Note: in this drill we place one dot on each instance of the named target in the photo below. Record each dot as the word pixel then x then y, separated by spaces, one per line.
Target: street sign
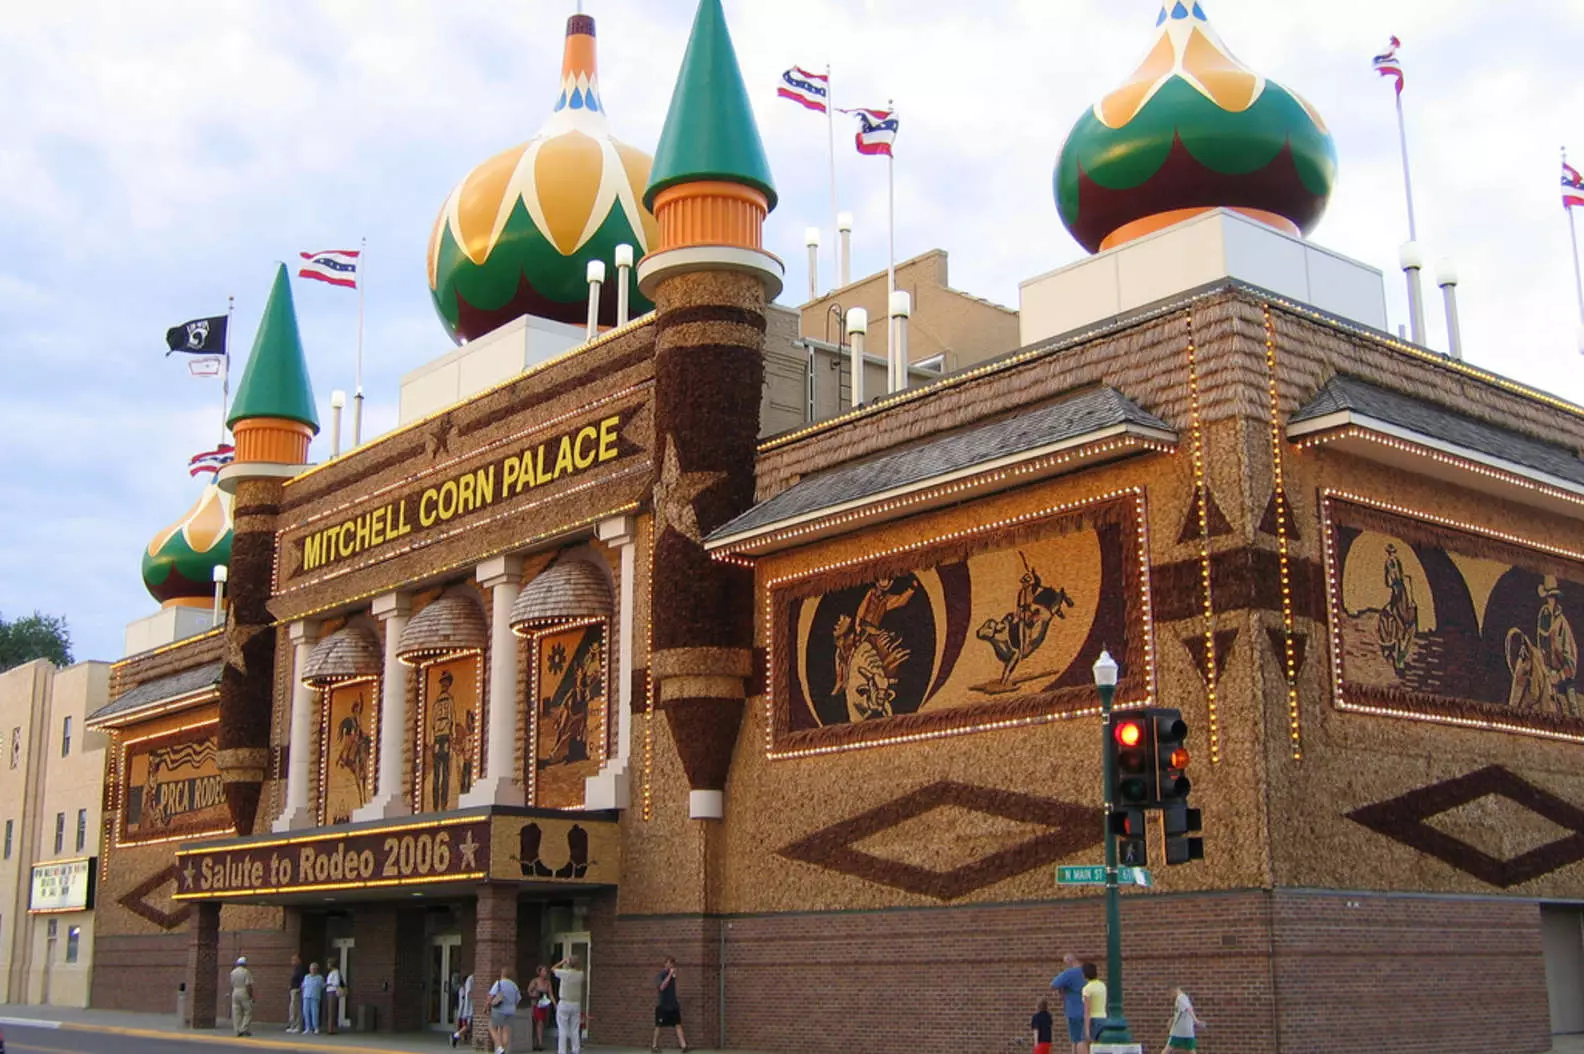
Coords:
pixel 1096 876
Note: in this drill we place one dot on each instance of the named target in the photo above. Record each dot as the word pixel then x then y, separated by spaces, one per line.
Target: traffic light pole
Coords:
pixel 1116 1027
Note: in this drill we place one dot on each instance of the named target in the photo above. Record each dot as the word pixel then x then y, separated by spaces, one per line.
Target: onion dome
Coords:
pixel 1191 130
pixel 516 234
pixel 178 565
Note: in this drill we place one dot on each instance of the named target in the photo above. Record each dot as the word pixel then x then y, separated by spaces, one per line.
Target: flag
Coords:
pixel 207 366
pixel 805 88
pixel 1387 64
pixel 877 130
pixel 201 336
pixel 211 460
pixel 336 266
pixel 1572 187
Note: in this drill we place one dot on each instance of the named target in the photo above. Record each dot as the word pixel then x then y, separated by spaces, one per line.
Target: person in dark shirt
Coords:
pixel 294 1010
pixel 1041 1024
pixel 668 1011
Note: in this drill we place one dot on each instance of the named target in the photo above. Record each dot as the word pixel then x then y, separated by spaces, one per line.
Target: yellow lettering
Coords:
pixel 607 432
pixel 405 527
pixel 426 514
pixel 563 458
pixel 377 525
pixel 363 533
pixel 448 499
pixel 484 485
pixel 511 472
pixel 313 546
pixel 539 474
pixel 343 546
pixel 585 460
pixel 465 495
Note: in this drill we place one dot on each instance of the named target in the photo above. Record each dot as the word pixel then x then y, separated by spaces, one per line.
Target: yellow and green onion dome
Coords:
pixel 178 565
pixel 1191 130
pixel 515 236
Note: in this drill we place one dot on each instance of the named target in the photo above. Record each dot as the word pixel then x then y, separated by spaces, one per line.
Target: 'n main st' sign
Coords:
pixel 471 848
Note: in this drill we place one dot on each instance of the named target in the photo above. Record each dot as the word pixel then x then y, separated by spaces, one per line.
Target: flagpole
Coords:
pixel 357 397
pixel 225 368
pixel 1578 277
pixel 891 329
pixel 1402 139
pixel 830 127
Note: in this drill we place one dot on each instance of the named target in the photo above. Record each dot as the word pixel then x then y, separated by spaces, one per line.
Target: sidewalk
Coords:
pixel 269 1037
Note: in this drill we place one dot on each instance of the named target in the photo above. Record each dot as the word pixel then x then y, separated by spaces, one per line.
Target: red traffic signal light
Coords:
pixel 1135 771
pixel 1129 733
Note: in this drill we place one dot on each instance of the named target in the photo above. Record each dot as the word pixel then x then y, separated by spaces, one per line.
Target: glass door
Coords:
pixel 443 980
pixel 563 945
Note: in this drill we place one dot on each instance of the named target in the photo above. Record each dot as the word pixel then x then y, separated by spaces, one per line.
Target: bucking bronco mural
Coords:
pixel 1006 624
pixel 1430 620
pixel 348 747
pixel 569 717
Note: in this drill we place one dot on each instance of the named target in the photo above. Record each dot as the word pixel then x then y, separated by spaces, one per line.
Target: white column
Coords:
pixel 300 751
pixel 391 798
pixel 611 787
pixel 502 576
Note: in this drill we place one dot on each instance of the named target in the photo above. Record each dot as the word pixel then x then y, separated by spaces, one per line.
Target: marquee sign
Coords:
pixel 64 885
pixel 523 470
pixel 457 849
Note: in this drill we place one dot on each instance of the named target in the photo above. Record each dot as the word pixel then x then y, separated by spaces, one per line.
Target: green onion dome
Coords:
pixel 515 236
pixel 178 565
pixel 1191 130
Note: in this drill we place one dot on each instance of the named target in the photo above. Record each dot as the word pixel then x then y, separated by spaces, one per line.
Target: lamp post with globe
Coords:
pixel 1115 1031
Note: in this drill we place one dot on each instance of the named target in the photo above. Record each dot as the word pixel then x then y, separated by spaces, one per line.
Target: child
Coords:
pixel 1041 1024
pixel 1094 996
pixel 1183 1023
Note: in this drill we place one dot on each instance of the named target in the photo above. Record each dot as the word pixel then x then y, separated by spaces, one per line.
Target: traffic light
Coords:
pixel 1128 826
pixel 1182 826
pixel 1170 757
pixel 1130 745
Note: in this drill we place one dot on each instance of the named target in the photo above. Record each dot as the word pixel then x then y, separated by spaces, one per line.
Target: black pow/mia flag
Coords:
pixel 201 336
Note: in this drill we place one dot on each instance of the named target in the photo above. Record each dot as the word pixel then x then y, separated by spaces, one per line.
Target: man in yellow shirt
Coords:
pixel 1094 1000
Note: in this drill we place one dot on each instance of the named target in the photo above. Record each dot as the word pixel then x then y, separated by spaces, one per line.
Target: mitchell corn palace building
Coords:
pixel 578 661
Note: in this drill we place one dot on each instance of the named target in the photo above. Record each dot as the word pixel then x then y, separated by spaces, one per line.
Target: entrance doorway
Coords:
pixel 341 959
pixel 443 980
pixel 1562 932
pixel 575 943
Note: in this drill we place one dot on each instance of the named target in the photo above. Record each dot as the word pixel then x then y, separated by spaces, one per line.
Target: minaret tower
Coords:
pixel 273 420
pixel 710 278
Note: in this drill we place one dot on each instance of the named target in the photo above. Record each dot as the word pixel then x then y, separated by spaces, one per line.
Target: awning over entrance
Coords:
pixel 541 848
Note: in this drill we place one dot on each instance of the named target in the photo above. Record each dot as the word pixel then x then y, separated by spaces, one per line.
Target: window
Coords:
pixel 16 746
pixel 54 928
pixel 8 839
pixel 73 935
pixel 66 736
pixel 60 831
pixel 82 829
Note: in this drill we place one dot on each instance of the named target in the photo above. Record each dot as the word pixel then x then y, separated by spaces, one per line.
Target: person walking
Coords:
pixel 541 993
pixel 313 991
pixel 504 997
pixel 464 1018
pixel 1040 1023
pixel 335 989
pixel 1070 983
pixel 668 1012
pixel 1094 997
pixel 569 1007
pixel 294 1010
pixel 242 998
pixel 1184 1023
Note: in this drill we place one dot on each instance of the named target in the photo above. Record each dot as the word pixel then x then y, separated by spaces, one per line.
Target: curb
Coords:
pixel 197 1036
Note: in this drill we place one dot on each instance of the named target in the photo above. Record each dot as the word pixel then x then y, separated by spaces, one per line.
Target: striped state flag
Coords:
pixel 877 130
pixel 1572 187
pixel 335 266
pixel 806 89
pixel 1387 64
pixel 211 460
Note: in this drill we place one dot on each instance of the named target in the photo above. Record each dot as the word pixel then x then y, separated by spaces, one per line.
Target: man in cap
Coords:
pixel 242 998
pixel 441 716
pixel 1557 646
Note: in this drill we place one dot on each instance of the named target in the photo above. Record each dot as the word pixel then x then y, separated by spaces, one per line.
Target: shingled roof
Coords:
pixel 1090 413
pixel 160 690
pixel 1349 395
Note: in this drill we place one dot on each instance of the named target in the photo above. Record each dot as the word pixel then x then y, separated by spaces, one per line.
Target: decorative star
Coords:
pixel 237 637
pixel 470 850
pixel 187 875
pixel 676 490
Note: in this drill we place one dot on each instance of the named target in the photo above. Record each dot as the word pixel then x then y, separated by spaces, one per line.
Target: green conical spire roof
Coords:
pixel 275 383
pixel 710 131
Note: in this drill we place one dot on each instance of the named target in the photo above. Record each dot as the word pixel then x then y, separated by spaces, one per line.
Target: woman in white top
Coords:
pixel 569 1006
pixel 464 1018
pixel 1183 1024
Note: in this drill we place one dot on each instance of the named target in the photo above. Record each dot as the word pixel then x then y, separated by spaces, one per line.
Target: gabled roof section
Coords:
pixel 710 132
pixel 161 691
pixel 275 383
pixel 1099 424
pixel 1349 401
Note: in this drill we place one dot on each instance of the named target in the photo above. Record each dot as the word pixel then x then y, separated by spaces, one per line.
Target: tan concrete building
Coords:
pixel 52 784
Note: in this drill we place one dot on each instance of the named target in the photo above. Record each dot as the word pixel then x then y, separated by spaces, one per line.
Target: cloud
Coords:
pixel 159 158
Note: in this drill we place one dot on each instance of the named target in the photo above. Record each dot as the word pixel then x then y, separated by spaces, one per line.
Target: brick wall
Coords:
pixel 388 965
pixel 138 973
pixel 1274 973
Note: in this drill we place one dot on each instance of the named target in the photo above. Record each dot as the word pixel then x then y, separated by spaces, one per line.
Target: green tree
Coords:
pixel 32 637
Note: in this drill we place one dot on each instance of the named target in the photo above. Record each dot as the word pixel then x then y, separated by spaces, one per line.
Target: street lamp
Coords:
pixel 1115 1032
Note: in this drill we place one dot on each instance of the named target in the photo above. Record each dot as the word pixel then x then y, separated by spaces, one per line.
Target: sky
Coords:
pixel 159 157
